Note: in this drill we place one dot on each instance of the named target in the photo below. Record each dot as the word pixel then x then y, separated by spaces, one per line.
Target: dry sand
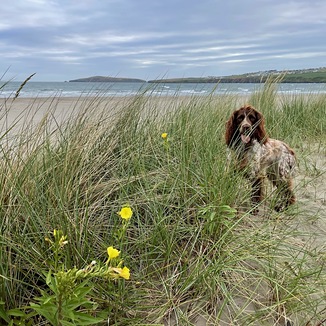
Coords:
pixel 21 109
pixel 17 112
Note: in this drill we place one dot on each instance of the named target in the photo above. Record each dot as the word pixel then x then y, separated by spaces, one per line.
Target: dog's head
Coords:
pixel 244 125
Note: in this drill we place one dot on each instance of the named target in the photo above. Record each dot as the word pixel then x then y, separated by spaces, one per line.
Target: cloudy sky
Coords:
pixel 150 39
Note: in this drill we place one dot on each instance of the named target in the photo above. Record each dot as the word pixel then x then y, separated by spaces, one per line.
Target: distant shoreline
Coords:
pixel 103 79
pixel 317 75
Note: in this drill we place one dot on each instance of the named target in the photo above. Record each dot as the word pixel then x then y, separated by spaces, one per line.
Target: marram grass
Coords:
pixel 192 247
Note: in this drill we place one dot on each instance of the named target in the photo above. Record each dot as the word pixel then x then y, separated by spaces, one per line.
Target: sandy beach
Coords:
pixel 18 111
pixel 60 107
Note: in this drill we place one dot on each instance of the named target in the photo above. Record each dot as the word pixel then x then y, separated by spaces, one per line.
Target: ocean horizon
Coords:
pixel 120 89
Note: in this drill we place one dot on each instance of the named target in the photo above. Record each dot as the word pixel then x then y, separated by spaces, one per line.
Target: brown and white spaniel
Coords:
pixel 260 156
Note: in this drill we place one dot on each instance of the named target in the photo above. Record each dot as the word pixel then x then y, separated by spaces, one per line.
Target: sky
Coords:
pixel 151 39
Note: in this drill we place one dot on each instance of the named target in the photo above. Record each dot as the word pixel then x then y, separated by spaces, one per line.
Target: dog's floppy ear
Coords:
pixel 231 129
pixel 260 131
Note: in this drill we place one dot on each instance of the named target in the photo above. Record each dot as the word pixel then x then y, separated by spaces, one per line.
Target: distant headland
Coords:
pixel 103 79
pixel 311 75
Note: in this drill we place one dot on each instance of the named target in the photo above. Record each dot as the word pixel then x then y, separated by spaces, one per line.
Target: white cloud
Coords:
pixel 297 12
pixel 144 38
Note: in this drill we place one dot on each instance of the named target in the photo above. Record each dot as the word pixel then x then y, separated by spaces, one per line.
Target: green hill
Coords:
pixel 313 75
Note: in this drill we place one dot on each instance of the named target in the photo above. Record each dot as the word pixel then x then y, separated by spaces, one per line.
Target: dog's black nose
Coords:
pixel 246 128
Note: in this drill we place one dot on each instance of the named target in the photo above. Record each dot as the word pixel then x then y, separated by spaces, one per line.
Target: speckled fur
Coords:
pixel 261 157
pixel 274 159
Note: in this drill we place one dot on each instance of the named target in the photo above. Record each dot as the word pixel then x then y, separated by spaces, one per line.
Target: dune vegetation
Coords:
pixel 146 190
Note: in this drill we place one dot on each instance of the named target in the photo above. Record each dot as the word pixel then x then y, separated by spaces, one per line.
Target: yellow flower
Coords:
pixel 120 272
pixel 125 273
pixel 125 213
pixel 112 252
pixel 164 135
pixel 63 241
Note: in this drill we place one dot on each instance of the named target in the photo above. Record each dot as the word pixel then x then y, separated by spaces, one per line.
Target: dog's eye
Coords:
pixel 240 117
pixel 252 118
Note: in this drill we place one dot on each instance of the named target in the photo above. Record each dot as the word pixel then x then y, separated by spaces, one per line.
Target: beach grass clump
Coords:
pixel 296 117
pixel 149 184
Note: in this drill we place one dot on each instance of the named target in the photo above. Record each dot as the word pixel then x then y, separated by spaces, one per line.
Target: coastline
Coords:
pixel 87 90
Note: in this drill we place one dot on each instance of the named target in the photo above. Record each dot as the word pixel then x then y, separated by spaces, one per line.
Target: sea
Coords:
pixel 82 89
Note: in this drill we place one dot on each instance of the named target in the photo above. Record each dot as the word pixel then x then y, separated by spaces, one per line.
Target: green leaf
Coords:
pixel 48 278
pixel 16 312
pixel 73 304
pixel 82 290
pixel 212 216
pixel 67 323
pixel 49 312
pixel 85 319
pixel 4 315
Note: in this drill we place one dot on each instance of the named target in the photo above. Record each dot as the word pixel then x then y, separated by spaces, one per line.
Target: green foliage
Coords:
pixel 317 75
pixel 306 77
pixel 192 245
pixel 219 221
pixel 66 298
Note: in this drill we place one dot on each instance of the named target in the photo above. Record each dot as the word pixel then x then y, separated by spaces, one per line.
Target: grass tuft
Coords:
pixel 193 249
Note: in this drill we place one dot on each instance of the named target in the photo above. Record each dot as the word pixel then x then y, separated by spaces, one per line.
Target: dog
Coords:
pixel 260 157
